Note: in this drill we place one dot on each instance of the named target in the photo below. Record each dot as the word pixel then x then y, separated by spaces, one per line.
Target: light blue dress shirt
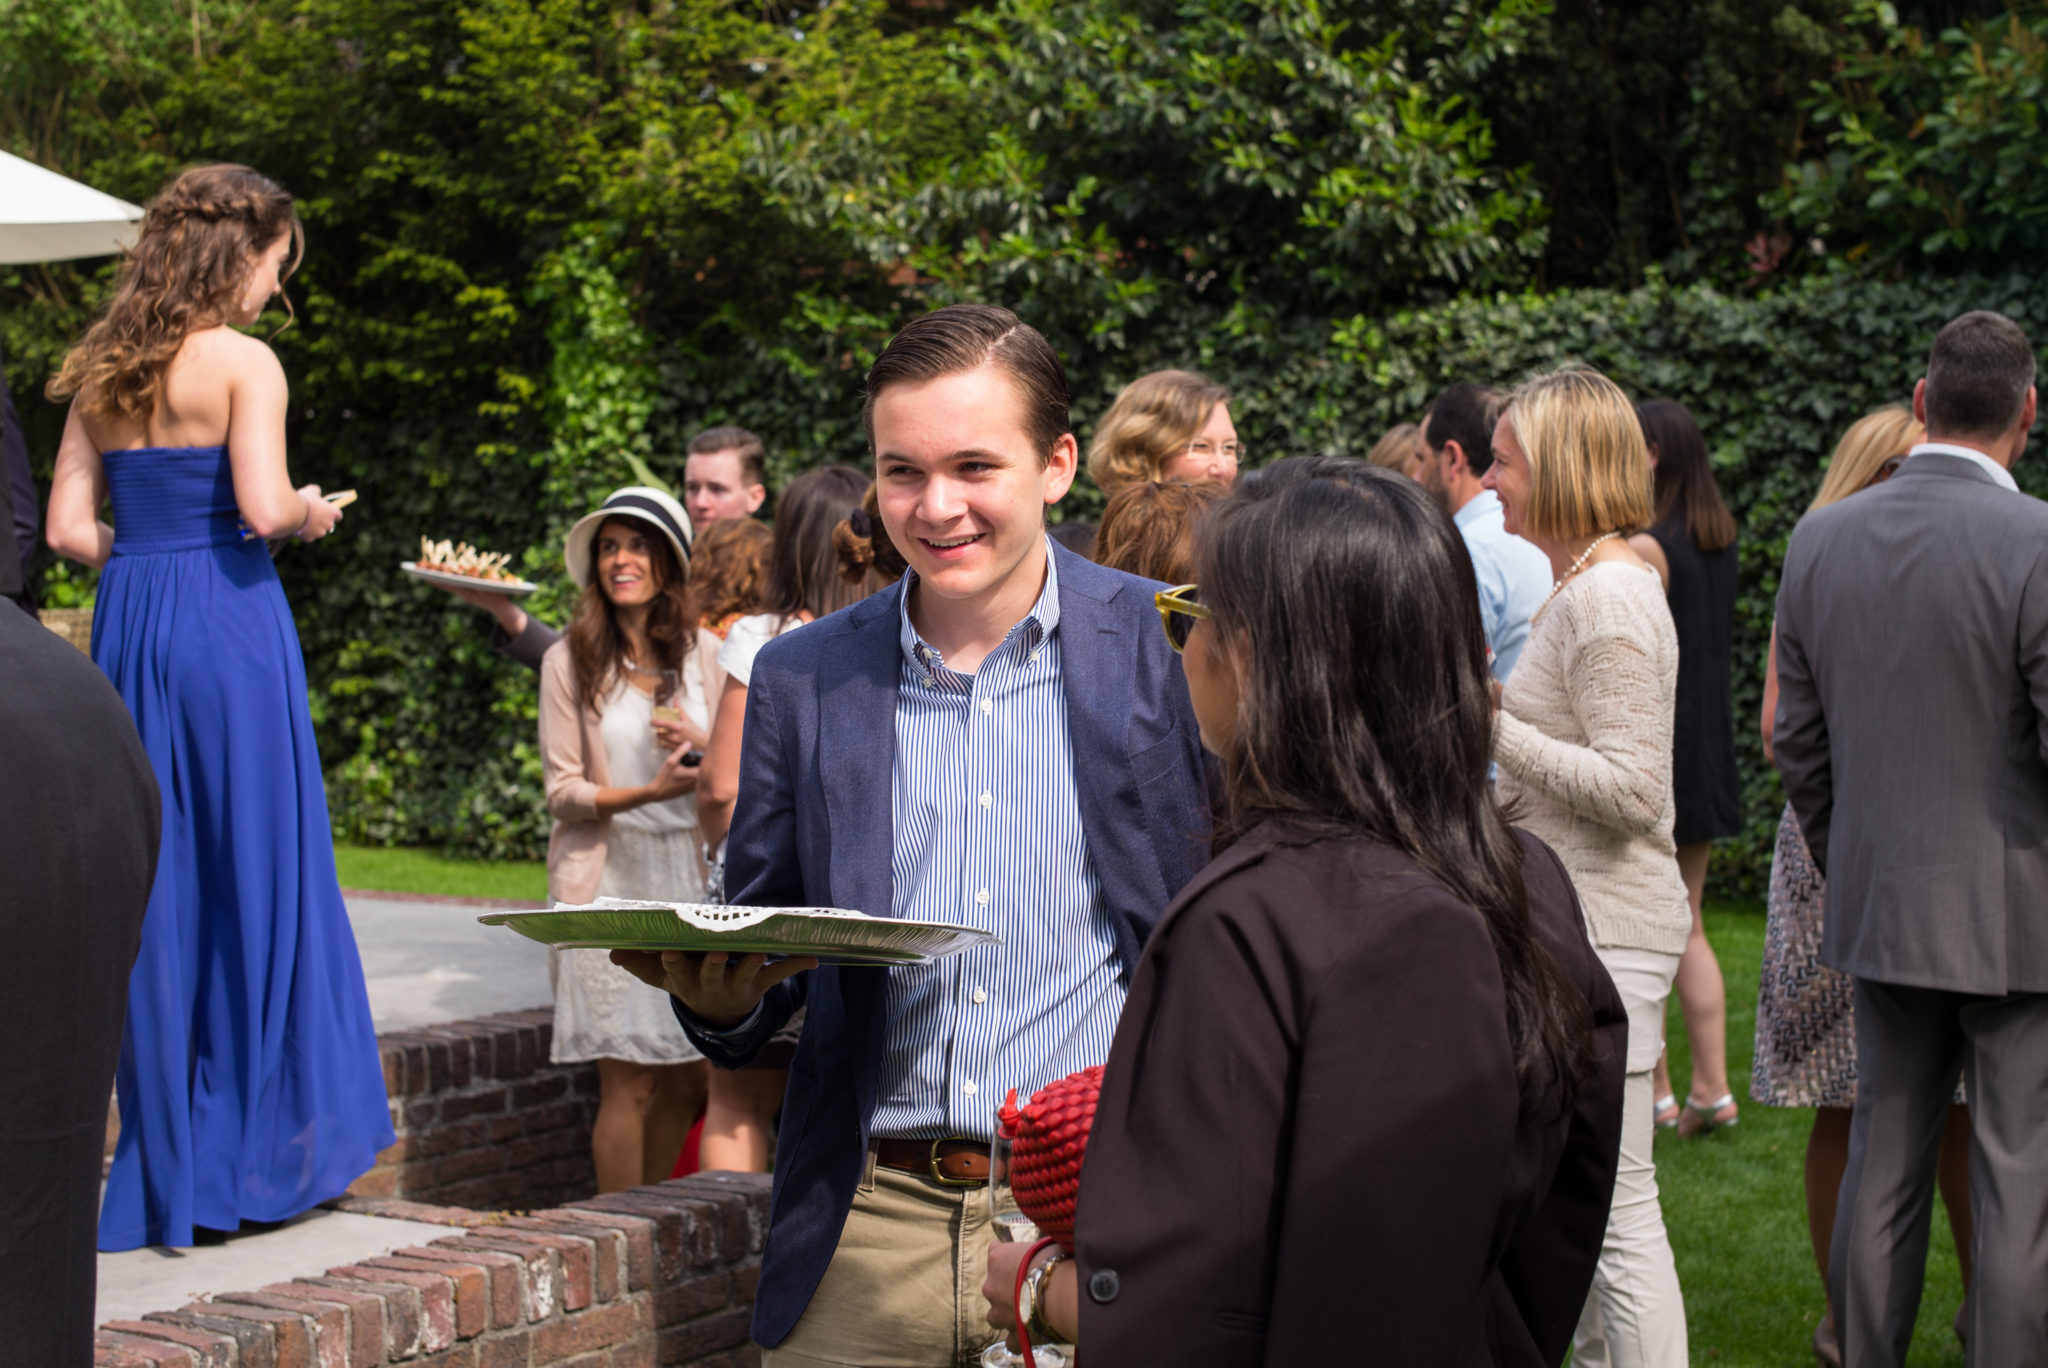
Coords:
pixel 1513 577
pixel 988 833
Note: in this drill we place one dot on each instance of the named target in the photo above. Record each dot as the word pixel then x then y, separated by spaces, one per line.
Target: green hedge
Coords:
pixel 432 740
pixel 1774 381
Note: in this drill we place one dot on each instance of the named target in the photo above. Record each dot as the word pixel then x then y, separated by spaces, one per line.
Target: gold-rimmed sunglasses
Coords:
pixel 1178 609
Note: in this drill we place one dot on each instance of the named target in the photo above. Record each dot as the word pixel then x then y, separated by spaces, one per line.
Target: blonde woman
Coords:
pixel 1169 425
pixel 1399 449
pixel 1583 742
pixel 249 1081
pixel 1805 1011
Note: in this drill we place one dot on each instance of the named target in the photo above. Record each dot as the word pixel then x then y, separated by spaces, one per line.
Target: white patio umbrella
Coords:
pixel 46 217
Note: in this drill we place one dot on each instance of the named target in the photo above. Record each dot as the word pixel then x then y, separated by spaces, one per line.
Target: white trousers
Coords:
pixel 1635 1316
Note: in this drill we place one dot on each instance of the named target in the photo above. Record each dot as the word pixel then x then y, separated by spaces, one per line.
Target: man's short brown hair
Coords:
pixel 1977 376
pixel 741 443
pixel 964 337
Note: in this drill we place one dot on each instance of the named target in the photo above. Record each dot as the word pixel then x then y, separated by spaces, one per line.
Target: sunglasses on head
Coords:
pixel 1178 609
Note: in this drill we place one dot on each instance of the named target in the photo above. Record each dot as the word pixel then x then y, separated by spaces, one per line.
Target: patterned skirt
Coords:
pixel 1805 1011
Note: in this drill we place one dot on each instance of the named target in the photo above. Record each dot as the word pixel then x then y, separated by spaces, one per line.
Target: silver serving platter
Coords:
pixel 442 577
pixel 833 935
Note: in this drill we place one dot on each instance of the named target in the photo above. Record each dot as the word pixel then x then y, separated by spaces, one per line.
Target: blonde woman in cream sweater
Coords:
pixel 1583 742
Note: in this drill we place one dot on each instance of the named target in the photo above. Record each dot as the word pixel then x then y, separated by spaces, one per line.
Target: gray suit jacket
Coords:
pixel 1912 726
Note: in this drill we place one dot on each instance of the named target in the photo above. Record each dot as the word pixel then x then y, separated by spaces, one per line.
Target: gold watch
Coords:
pixel 1035 1300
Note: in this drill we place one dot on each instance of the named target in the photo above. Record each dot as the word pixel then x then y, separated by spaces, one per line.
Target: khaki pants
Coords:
pixel 904 1287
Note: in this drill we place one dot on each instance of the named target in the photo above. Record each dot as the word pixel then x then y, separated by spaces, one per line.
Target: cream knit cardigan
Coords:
pixel 1583 740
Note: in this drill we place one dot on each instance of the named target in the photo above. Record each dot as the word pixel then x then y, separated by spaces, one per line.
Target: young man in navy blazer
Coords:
pixel 1004 740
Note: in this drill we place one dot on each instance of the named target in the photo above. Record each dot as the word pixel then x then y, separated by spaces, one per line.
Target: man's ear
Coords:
pixel 1454 458
pixel 1060 468
pixel 1920 402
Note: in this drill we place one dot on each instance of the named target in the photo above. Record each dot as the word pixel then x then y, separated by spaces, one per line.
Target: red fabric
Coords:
pixel 1050 1138
pixel 686 1162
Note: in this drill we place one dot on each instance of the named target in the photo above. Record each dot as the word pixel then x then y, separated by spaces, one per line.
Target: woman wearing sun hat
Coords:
pixel 625 823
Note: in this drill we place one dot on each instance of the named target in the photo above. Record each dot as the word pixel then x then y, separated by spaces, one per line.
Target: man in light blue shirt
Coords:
pixel 1514 577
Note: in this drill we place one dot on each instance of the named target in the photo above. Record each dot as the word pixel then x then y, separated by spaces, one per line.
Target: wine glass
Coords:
pixel 667 702
pixel 1011 1226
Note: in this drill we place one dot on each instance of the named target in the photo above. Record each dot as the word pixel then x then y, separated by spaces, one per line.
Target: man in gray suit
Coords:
pixel 1912 732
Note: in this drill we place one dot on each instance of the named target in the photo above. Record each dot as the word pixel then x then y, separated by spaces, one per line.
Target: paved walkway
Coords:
pixel 425 962
pixel 429 961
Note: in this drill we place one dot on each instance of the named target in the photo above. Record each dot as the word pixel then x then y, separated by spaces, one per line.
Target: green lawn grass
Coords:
pixel 1736 1207
pixel 403 869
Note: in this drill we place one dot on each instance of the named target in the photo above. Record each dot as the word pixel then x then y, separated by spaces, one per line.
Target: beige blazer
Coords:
pixel 574 768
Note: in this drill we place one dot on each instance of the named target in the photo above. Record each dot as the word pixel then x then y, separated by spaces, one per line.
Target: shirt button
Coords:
pixel 987 798
pixel 968 1087
pixel 987 707
pixel 1104 1285
pixel 981 995
pixel 982 897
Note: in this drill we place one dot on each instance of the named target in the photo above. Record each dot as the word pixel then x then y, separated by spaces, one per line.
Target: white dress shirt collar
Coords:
pixel 1998 473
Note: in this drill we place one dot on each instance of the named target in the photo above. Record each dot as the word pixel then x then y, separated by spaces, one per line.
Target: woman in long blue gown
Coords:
pixel 250 1086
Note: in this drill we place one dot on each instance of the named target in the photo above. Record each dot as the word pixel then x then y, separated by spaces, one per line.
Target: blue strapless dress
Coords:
pixel 250 1084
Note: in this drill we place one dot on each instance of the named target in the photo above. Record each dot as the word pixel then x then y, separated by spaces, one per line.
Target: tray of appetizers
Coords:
pixel 830 934
pixel 458 565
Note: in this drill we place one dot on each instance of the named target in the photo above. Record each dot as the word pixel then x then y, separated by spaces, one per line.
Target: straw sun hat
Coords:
pixel 650 506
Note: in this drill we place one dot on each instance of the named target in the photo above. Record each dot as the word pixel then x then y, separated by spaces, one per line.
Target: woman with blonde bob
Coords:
pixel 1583 741
pixel 1169 425
pixel 249 1082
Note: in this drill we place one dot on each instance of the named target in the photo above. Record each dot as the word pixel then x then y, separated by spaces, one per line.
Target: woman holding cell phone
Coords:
pixel 625 826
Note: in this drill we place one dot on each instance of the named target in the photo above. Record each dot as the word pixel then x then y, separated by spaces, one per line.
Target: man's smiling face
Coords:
pixel 961 486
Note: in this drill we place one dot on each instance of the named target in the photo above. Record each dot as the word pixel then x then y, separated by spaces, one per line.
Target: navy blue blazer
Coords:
pixel 813 827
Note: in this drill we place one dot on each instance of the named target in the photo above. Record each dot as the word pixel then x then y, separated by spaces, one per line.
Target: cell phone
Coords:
pixel 690 759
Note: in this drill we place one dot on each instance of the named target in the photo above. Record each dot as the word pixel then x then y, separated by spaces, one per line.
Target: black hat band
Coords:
pixel 641 503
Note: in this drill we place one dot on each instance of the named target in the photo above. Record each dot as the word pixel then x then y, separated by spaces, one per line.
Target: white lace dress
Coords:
pixel 601 1011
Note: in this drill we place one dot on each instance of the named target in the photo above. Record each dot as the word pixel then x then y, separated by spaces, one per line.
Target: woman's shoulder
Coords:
pixel 1616 597
pixel 224 349
pixel 1333 889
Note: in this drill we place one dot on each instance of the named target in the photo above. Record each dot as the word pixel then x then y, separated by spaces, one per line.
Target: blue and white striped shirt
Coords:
pixel 988 833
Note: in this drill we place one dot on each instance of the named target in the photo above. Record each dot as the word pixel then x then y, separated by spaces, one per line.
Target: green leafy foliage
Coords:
pixel 1934 144
pixel 550 239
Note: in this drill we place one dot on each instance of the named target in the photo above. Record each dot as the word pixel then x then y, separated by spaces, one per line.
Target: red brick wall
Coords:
pixel 660 1275
pixel 483 1119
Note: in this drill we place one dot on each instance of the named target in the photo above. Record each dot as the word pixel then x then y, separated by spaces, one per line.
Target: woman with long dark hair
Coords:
pixel 624 825
pixel 250 1085
pixel 1691 545
pixel 804 584
pixel 1364 1098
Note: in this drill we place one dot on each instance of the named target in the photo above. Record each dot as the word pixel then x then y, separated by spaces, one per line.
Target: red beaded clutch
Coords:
pixel 1050 1138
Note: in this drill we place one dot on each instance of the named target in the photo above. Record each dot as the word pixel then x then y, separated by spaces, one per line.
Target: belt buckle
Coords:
pixel 939 1175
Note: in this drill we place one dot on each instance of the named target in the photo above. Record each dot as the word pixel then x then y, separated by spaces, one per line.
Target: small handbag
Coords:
pixel 1049 1139
pixel 1049 1136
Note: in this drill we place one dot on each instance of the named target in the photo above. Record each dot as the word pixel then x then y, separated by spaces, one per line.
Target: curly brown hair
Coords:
pixel 729 568
pixel 1148 530
pixel 200 236
pixel 866 554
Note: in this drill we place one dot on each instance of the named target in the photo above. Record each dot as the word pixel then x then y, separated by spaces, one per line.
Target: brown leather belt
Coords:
pixel 953 1161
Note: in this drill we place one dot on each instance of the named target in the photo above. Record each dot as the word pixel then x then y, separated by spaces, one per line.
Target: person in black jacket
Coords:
pixel 79 825
pixel 17 502
pixel 1364 1101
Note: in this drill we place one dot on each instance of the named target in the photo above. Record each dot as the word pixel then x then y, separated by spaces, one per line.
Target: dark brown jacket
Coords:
pixel 1309 1148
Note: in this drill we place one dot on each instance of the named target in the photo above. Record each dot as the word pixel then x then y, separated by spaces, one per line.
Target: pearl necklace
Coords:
pixel 1576 566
